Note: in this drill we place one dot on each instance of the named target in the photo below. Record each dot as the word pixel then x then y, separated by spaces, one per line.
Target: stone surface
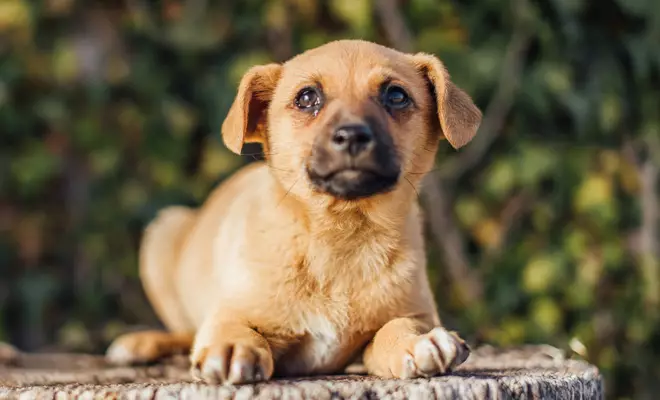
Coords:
pixel 532 372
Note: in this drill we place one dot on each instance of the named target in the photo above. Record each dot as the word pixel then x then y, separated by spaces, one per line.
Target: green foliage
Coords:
pixel 109 114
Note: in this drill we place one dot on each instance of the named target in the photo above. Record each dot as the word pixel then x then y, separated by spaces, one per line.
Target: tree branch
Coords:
pixel 394 25
pixel 498 109
pixel 646 242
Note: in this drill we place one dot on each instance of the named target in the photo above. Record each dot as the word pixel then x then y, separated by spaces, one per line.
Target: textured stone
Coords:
pixel 532 372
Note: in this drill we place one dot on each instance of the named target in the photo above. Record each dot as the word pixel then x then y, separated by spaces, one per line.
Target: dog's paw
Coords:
pixel 8 354
pixel 139 348
pixel 434 353
pixel 232 364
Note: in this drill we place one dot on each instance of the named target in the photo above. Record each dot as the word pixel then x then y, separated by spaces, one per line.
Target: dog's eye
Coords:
pixel 308 99
pixel 395 97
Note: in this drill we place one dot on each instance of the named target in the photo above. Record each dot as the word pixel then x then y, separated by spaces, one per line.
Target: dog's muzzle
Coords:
pixel 354 162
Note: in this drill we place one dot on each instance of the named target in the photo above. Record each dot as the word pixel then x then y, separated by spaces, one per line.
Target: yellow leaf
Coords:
pixel 576 242
pixel 547 315
pixel 488 232
pixel 589 271
pixel 356 12
pixel 166 174
pixel 540 274
pixel 558 78
pixel 500 178
pixel 512 331
pixel 596 190
pixel 65 62
pixel 14 14
pixel 470 211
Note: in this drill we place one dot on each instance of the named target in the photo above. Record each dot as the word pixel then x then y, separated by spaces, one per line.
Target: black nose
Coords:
pixel 353 139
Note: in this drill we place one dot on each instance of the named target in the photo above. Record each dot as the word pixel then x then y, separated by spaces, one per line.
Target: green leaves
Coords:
pixel 357 13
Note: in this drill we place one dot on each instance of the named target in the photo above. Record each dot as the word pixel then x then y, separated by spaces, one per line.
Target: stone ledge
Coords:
pixel 530 372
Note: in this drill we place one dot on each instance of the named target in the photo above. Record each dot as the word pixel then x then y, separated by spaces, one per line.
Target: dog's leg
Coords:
pixel 404 348
pixel 147 346
pixel 159 255
pixel 231 353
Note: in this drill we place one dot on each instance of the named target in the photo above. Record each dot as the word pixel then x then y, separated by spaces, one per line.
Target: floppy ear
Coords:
pixel 246 120
pixel 459 117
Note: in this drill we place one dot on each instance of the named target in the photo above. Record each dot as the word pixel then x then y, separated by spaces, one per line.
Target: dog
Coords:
pixel 310 260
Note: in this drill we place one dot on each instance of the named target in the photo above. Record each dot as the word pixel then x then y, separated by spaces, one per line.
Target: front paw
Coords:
pixel 232 364
pixel 434 353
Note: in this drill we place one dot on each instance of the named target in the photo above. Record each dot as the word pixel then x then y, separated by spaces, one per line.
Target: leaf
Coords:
pixel 595 191
pixel 535 163
pixel 500 178
pixel 557 77
pixel 546 315
pixel 357 13
pixel 610 112
pixel 166 174
pixel 541 273
pixel 512 330
pixel 470 211
pixel 15 18
pixel 66 64
pixel 34 167
pixel 487 232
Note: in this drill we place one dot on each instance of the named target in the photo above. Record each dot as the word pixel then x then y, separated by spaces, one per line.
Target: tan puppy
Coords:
pixel 298 265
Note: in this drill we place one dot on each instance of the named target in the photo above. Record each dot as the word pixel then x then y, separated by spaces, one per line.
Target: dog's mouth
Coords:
pixel 353 183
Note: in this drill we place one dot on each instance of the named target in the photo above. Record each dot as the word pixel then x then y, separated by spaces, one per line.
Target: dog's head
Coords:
pixel 350 120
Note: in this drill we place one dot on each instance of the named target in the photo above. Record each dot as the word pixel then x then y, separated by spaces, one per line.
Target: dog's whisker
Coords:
pixel 288 191
pixel 423 172
pixel 412 186
pixel 281 169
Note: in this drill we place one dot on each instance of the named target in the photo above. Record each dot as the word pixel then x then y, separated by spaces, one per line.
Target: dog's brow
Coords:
pixel 382 74
pixel 308 77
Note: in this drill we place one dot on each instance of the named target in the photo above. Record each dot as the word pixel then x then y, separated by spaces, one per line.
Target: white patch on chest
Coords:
pixel 319 349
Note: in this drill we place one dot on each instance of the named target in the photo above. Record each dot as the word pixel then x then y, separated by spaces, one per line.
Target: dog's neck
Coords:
pixel 365 235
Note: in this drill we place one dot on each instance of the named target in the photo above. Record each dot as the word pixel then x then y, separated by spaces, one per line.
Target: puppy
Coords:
pixel 300 264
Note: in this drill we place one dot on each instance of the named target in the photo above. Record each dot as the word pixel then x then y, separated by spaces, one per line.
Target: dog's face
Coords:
pixel 350 120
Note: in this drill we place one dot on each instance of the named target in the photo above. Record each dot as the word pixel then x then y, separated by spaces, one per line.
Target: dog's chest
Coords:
pixel 323 348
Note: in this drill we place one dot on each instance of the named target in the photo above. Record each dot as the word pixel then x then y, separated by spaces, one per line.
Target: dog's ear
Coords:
pixel 459 117
pixel 246 120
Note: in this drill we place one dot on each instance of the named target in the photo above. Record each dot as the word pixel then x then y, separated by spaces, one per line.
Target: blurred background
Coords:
pixel 545 229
